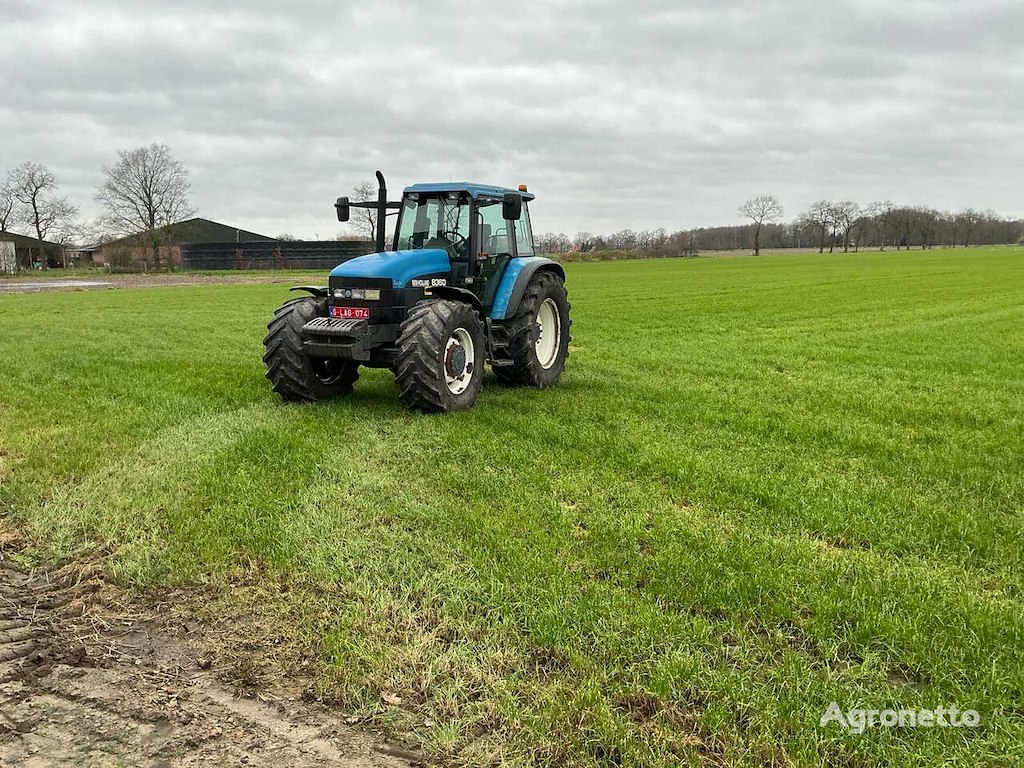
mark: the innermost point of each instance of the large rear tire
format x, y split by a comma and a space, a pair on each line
441, 353
538, 334
294, 375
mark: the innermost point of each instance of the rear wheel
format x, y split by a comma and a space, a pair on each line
294, 375
440, 363
538, 334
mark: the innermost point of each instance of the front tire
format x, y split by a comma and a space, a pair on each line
441, 353
538, 334
293, 374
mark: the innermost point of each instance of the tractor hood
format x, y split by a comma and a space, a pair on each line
399, 266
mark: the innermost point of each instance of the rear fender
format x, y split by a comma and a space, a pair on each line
514, 281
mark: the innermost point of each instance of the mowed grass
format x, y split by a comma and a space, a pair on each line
763, 485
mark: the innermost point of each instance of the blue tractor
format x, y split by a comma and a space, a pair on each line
460, 287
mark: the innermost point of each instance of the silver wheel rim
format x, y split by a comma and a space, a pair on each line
459, 360
548, 333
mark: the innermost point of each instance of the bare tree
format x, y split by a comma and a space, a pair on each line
905, 219
34, 187
847, 217
584, 241
761, 209
968, 219
821, 215
952, 227
927, 220
884, 215
145, 191
9, 214
364, 220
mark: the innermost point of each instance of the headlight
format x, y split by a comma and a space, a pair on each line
365, 294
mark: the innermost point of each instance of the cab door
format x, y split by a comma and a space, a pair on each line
496, 246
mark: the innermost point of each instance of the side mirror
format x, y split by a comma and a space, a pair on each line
512, 206
342, 208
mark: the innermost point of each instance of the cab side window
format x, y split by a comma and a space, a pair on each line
524, 234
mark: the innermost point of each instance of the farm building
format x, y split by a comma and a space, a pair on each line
162, 247
24, 252
204, 244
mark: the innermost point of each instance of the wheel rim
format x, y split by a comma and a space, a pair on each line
548, 333
327, 371
459, 361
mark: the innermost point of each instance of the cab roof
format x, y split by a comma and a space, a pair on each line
472, 189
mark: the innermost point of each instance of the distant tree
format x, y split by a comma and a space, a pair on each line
656, 242
583, 242
761, 209
35, 188
552, 243
286, 238
144, 192
989, 227
8, 207
623, 240
904, 219
364, 220
847, 217
927, 221
821, 216
95, 231
951, 225
883, 214
968, 219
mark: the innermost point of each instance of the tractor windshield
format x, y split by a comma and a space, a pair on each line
435, 221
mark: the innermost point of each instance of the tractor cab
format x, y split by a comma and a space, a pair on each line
462, 256
481, 229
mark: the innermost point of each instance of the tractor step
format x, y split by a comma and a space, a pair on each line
497, 344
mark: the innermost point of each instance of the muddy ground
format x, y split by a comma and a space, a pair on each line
102, 281
90, 677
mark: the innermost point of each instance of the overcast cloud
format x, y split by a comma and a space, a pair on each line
639, 114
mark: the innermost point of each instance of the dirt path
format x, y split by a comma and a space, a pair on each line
88, 680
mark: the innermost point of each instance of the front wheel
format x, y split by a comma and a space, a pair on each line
294, 375
538, 334
440, 362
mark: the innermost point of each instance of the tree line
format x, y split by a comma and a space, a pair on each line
824, 225
147, 190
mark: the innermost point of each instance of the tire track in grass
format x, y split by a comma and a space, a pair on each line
196, 493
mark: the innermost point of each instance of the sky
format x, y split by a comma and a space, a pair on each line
638, 114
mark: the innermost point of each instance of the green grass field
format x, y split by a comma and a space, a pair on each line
762, 485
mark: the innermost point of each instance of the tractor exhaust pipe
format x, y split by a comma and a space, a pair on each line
382, 211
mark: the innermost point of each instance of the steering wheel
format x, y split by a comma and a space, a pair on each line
459, 243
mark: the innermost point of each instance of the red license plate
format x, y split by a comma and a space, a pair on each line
351, 313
